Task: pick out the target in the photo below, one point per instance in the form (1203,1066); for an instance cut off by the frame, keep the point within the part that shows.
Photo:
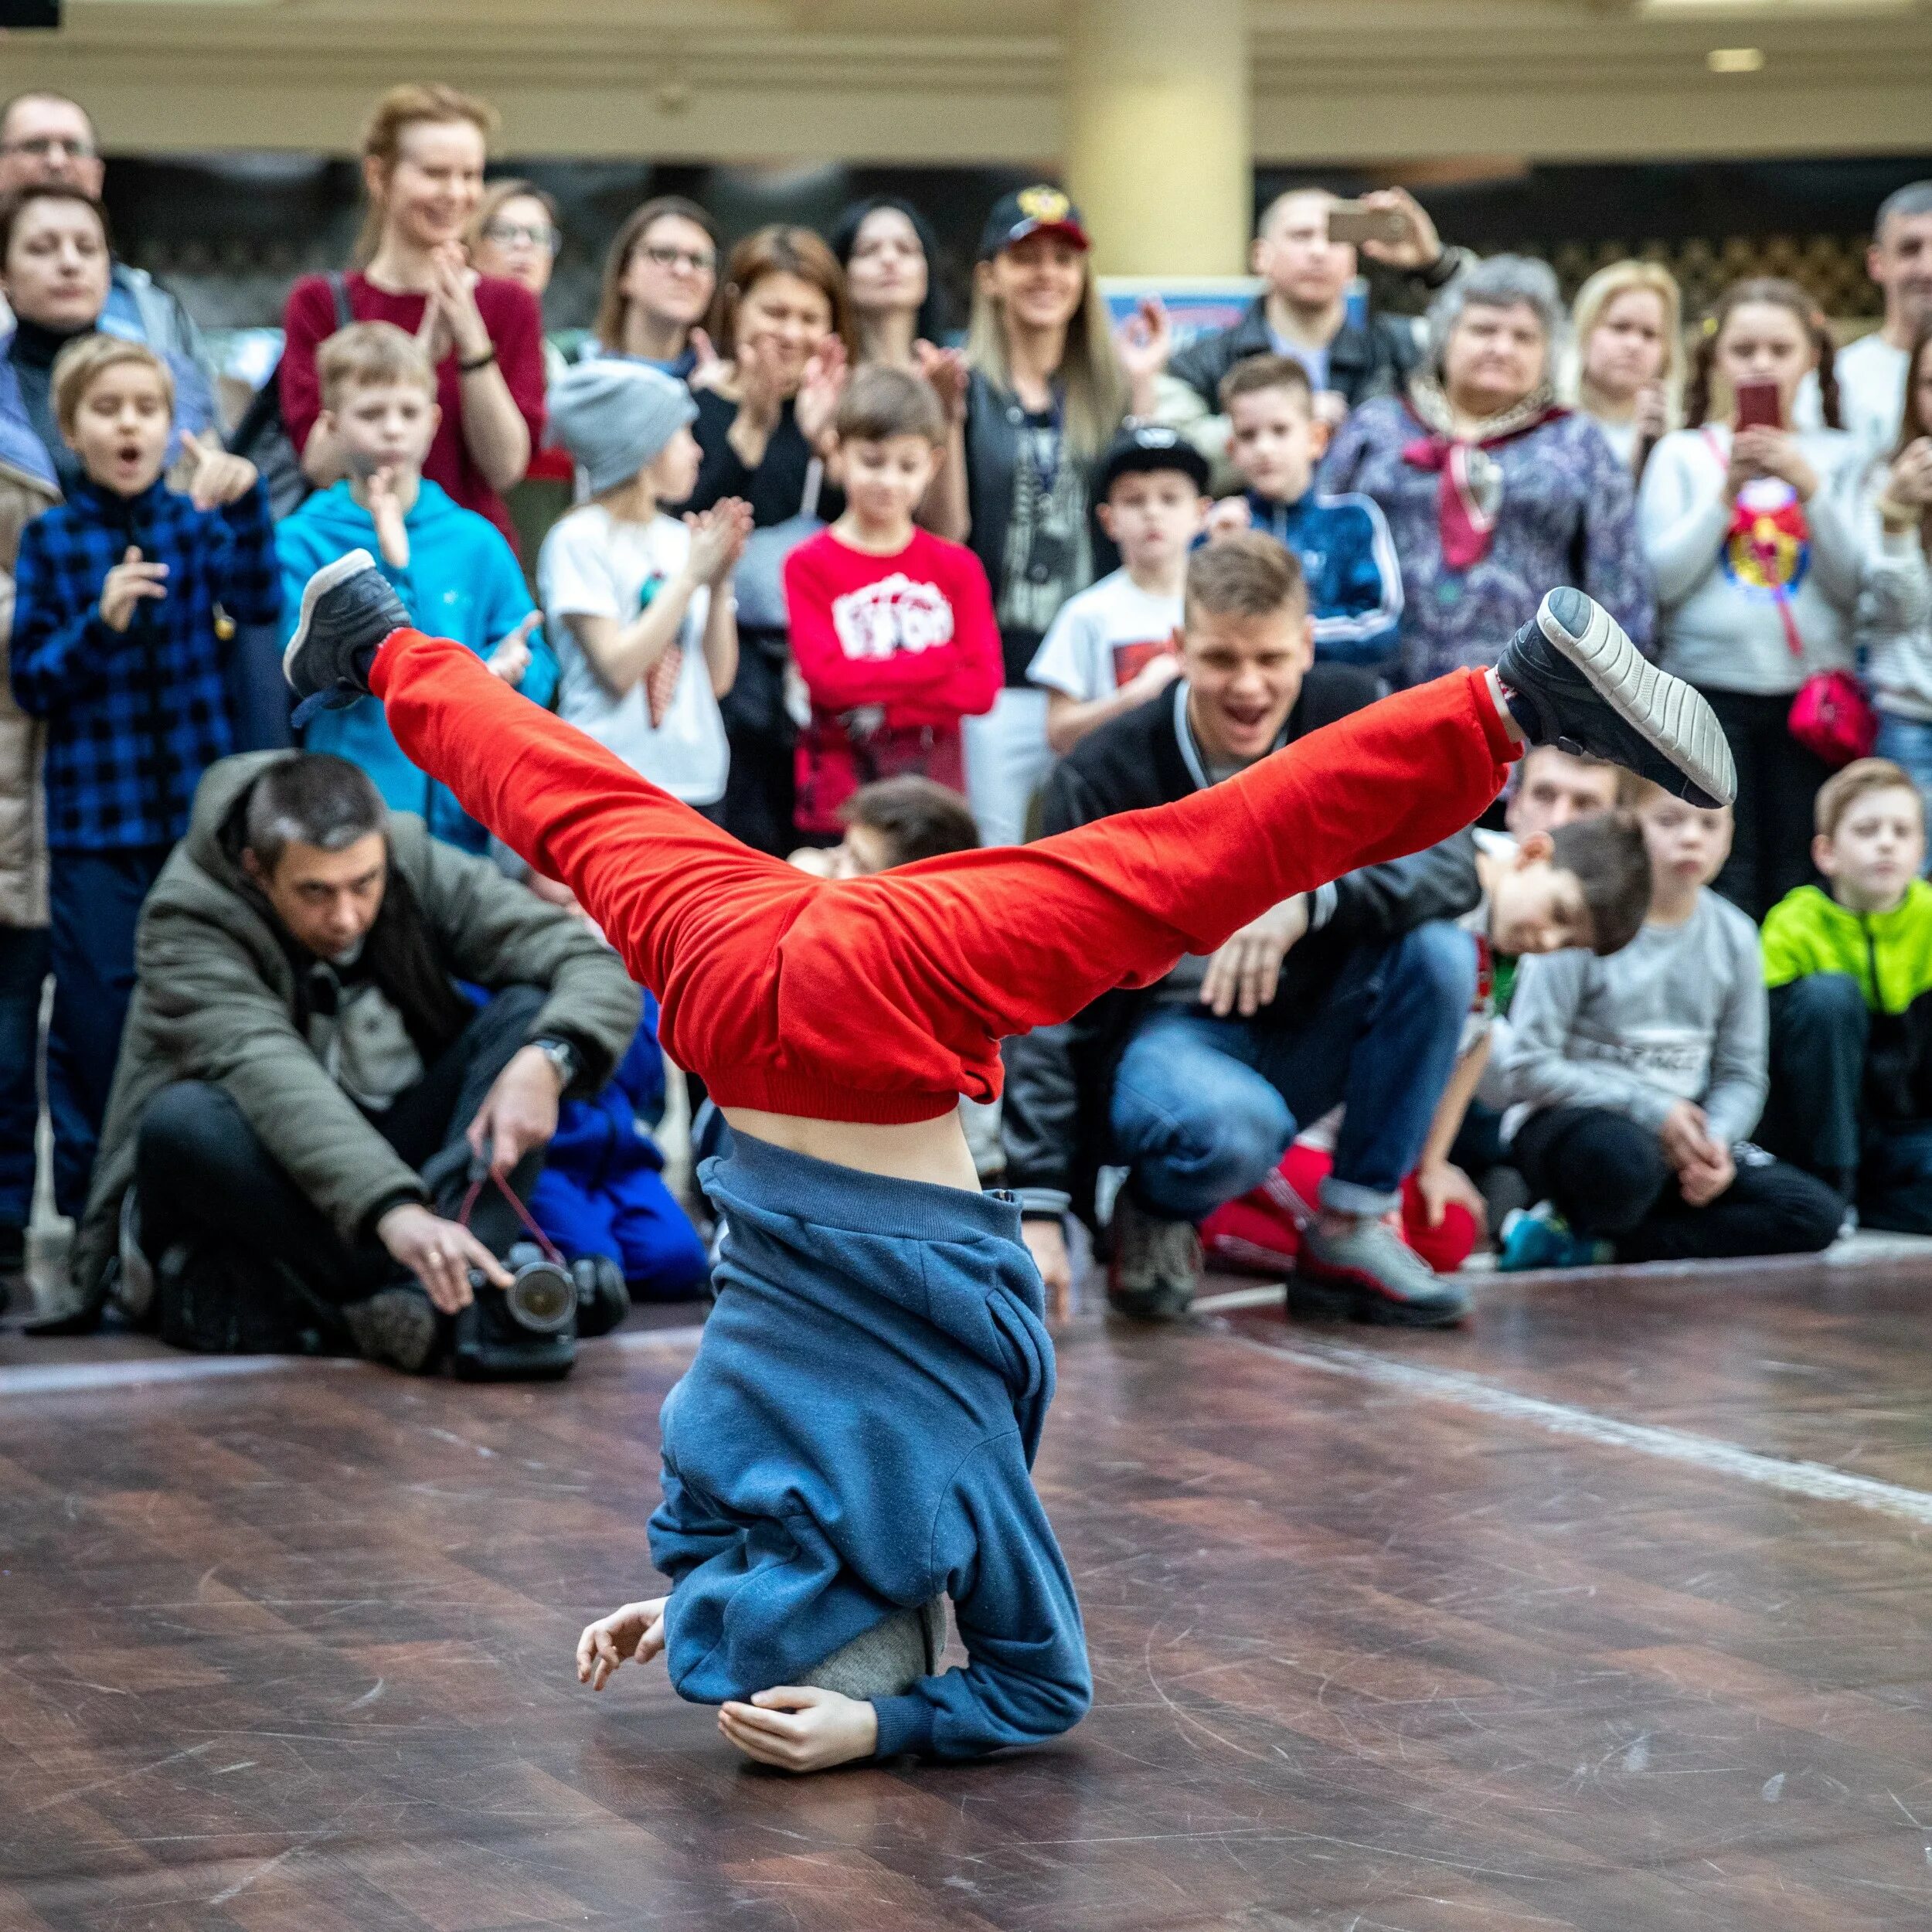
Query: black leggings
(205,1179)
(1609,1178)
(1777,779)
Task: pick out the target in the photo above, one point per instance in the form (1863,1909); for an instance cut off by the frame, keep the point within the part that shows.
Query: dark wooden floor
(1611,1615)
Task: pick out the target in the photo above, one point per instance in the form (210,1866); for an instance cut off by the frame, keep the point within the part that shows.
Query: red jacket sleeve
(308,321)
(515,325)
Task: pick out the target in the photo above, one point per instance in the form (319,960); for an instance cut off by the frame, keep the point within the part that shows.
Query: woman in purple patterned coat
(1494,492)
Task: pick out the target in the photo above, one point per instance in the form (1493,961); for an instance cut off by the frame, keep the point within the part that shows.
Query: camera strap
(478,1175)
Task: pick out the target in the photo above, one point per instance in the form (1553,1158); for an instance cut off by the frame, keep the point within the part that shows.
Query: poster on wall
(1195,305)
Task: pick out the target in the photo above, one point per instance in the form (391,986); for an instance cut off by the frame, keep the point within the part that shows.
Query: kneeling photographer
(309,1110)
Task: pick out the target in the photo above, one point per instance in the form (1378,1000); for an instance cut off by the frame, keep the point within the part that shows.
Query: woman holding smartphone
(1752,534)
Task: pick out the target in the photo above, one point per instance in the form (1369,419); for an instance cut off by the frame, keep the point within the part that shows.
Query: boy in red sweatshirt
(892,628)
(850,1450)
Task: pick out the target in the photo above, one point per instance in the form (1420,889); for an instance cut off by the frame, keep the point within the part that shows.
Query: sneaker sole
(1664,710)
(317,588)
(1359,1302)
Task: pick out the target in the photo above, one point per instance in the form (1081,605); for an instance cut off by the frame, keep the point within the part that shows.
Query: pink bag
(1832,718)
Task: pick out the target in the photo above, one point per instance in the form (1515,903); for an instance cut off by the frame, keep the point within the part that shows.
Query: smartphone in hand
(1760,406)
(1349,221)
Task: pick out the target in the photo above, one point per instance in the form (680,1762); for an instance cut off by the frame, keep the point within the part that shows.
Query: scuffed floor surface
(1611,1615)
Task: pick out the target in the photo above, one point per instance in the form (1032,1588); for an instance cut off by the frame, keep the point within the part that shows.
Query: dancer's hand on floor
(799,1729)
(635,1633)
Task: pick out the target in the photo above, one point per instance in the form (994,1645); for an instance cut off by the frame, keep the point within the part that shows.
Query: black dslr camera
(528,1331)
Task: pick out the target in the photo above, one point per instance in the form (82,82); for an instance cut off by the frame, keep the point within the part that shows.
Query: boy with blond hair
(1850,969)
(451,567)
(127,596)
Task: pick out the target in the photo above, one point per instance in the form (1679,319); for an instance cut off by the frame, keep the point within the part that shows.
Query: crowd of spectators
(866,583)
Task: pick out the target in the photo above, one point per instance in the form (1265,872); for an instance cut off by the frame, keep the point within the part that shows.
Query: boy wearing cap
(450,566)
(1112,647)
(637,604)
(1348,558)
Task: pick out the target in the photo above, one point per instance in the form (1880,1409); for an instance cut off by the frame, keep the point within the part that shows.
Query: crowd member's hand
(1685,1137)
(1143,342)
(819,389)
(518,1112)
(1330,408)
(1909,482)
(1652,413)
(215,477)
(798,1728)
(1442,1184)
(1228,517)
(511,658)
(1243,974)
(1761,451)
(1047,1243)
(440,1254)
(1702,1183)
(718,539)
(707,366)
(127,584)
(453,289)
(633,1633)
(391,533)
(1154,676)
(946,369)
(758,371)
(1419,246)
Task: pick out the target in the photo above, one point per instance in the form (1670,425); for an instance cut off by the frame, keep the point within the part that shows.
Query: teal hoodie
(462,581)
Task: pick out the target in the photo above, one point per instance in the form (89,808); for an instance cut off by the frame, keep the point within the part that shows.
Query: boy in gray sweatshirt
(1635,1080)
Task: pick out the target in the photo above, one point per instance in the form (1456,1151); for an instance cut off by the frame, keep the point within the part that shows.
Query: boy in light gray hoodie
(1635,1080)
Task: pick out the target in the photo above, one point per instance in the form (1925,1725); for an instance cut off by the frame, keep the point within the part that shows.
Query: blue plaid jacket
(135,717)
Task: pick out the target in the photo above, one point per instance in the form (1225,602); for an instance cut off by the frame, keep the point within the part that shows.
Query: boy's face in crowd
(1244,674)
(1687,845)
(120,428)
(1537,907)
(1154,516)
(885,478)
(1294,253)
(1876,852)
(55,272)
(672,473)
(385,426)
(1554,789)
(326,901)
(1275,442)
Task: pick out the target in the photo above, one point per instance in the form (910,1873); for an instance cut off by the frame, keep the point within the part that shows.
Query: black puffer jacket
(1060,1079)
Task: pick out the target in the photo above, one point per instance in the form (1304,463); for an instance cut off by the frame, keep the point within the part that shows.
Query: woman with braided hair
(1752,530)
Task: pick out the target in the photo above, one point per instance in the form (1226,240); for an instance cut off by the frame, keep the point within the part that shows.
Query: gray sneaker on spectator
(398,1326)
(1156,1263)
(1369,1273)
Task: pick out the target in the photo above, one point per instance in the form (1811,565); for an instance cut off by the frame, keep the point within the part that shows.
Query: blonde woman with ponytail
(422,156)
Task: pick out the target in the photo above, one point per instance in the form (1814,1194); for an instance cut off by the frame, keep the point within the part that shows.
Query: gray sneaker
(349,608)
(1155,1266)
(1370,1275)
(397,1326)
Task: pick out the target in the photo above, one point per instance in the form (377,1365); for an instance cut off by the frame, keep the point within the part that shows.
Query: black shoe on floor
(398,1326)
(348,609)
(1155,1264)
(1574,680)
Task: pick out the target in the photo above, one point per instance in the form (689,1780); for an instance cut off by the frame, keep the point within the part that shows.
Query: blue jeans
(23,968)
(1203,1109)
(1908,742)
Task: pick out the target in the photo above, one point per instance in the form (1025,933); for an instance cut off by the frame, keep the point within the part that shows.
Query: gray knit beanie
(614,416)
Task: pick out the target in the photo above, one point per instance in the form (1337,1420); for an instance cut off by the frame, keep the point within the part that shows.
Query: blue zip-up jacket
(462,581)
(1349,558)
(135,717)
(855,1436)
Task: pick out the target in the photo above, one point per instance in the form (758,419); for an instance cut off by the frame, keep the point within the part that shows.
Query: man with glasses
(45,138)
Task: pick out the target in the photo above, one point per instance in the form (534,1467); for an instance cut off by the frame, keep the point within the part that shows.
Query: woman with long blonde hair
(423,155)
(1627,325)
(1049,387)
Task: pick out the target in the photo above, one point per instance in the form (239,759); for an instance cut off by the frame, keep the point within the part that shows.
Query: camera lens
(542,1298)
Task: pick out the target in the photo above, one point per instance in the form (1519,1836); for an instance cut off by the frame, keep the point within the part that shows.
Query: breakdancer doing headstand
(853,1441)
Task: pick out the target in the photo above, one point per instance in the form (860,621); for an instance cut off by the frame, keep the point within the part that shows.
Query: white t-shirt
(592,565)
(1103,636)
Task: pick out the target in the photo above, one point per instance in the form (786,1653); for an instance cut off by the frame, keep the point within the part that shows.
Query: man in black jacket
(1355,994)
(1303,312)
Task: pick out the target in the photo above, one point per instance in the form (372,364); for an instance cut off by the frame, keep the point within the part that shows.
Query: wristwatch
(562,1055)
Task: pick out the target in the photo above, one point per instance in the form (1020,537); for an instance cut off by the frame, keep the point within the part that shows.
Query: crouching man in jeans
(303,1081)
(1356,993)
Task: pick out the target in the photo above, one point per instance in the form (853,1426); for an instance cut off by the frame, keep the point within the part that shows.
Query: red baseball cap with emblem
(1038,210)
